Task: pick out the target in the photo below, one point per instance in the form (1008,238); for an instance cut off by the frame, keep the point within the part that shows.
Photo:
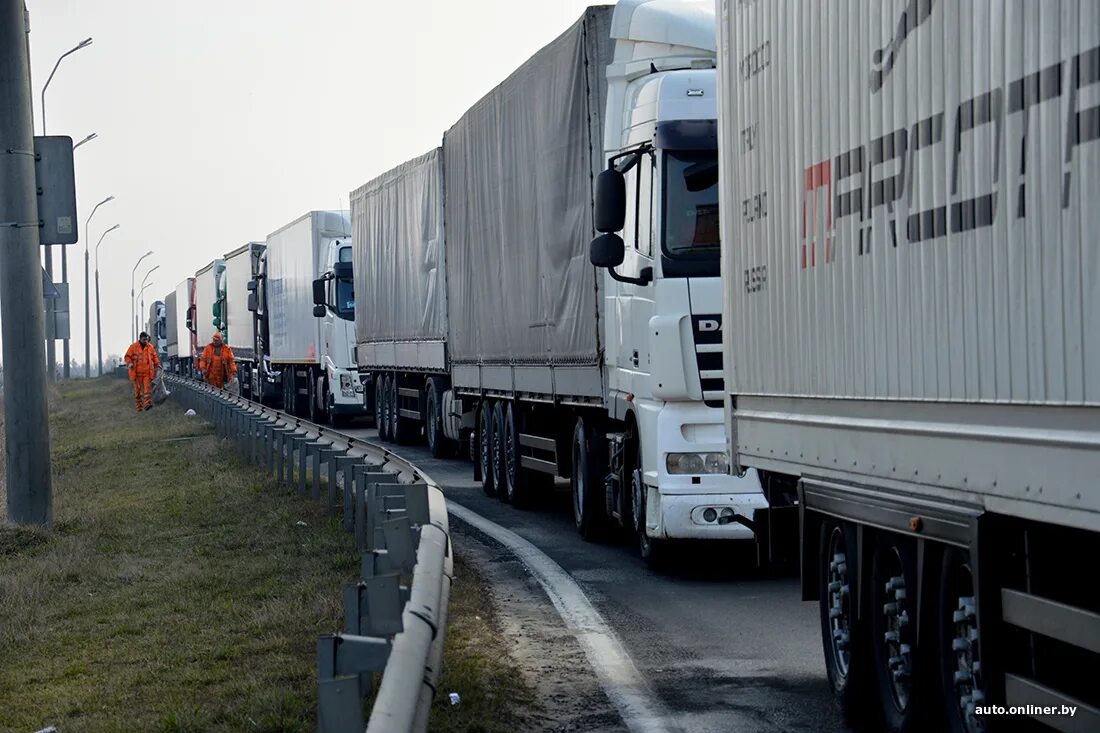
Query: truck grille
(707,331)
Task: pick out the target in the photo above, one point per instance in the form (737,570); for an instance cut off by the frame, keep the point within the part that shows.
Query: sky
(218,122)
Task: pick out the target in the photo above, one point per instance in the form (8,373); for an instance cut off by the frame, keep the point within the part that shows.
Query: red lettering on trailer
(816,177)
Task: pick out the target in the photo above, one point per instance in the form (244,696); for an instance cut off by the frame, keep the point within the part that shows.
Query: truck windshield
(691,212)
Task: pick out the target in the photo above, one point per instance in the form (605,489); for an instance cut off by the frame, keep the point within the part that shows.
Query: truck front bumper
(699,516)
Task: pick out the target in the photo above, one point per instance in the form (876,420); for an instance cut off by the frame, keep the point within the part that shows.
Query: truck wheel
(897,663)
(959,652)
(484,448)
(652,550)
(496,452)
(381,417)
(433,428)
(316,414)
(841,631)
(288,390)
(517,484)
(587,481)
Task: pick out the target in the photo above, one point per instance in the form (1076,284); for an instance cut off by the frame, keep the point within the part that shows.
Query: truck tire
(843,633)
(897,662)
(287,384)
(316,414)
(517,480)
(652,550)
(433,421)
(496,452)
(381,417)
(587,481)
(484,441)
(959,644)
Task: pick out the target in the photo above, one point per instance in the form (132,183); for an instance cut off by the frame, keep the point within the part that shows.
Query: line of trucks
(822,275)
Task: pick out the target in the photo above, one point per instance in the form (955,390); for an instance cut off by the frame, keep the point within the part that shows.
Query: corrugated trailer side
(240,328)
(912,285)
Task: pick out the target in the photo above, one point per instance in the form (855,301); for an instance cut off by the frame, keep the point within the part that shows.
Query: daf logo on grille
(709,325)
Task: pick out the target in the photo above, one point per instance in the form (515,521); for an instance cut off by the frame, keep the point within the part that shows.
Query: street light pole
(98,320)
(51,353)
(132,293)
(27,431)
(87,289)
(141,297)
(91,137)
(141,290)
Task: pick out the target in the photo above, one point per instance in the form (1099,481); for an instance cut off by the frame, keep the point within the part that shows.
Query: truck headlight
(696,463)
(347,387)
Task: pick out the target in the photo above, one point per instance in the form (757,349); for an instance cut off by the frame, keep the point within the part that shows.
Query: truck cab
(657,206)
(339,388)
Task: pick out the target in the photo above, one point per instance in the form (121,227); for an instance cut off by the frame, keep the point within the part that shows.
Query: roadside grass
(178,591)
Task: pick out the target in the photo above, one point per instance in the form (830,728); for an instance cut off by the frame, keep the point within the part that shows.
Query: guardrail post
(334,457)
(303,458)
(365,477)
(373,606)
(343,660)
(347,465)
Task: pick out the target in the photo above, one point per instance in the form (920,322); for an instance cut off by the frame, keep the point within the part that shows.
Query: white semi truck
(156,327)
(182,345)
(241,267)
(308,306)
(912,341)
(611,377)
(209,296)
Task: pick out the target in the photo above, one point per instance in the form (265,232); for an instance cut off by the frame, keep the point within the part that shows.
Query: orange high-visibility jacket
(218,363)
(144,359)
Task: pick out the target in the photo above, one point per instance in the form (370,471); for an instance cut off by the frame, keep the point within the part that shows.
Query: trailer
(156,328)
(912,295)
(401,313)
(171,332)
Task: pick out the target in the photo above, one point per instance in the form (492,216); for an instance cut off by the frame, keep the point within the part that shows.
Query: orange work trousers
(143,392)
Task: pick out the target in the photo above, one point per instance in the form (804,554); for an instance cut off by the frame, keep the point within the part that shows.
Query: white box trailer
(209,290)
(313,353)
(171,328)
(912,306)
(401,313)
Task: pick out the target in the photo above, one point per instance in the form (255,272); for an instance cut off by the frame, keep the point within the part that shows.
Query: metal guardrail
(396,614)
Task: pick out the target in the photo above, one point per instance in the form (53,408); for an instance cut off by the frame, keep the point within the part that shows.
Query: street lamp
(51,354)
(133,272)
(98,320)
(141,297)
(87,287)
(91,137)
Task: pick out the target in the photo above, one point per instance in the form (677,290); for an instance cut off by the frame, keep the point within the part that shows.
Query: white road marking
(624,685)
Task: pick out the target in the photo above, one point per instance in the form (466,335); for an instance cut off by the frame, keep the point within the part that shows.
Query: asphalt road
(725,649)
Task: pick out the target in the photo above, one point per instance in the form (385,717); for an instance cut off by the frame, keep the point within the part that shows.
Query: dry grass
(176,591)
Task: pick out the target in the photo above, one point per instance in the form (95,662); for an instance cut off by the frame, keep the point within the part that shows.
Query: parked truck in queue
(912,341)
(483,322)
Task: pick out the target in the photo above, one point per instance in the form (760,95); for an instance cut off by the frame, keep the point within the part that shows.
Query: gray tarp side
(397,228)
(170,332)
(519,169)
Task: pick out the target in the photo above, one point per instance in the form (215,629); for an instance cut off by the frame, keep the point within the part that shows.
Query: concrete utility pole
(27,433)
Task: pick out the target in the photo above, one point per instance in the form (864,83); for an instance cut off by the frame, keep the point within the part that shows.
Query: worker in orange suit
(143,363)
(217,363)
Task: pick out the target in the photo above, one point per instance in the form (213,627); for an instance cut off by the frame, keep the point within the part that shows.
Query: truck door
(634,304)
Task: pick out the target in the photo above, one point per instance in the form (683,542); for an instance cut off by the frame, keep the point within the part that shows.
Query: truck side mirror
(251,286)
(607,250)
(319,294)
(252,301)
(610,211)
(319,311)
